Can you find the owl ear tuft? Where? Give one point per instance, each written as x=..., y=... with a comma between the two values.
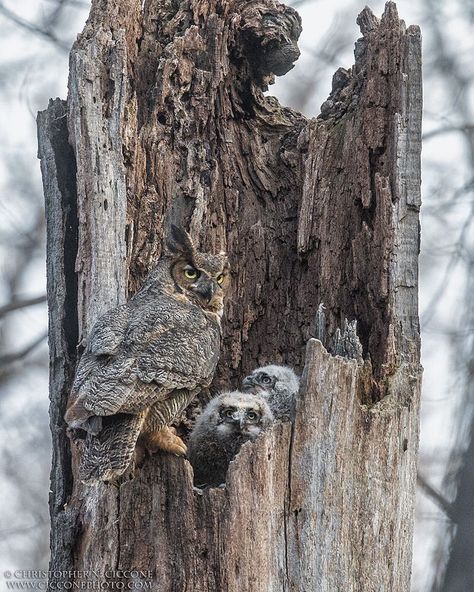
x=179, y=241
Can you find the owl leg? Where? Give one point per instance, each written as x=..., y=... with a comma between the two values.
x=157, y=435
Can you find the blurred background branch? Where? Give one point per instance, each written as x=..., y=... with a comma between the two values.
x=17, y=304
x=435, y=495
x=45, y=32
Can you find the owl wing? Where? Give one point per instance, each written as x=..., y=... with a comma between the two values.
x=108, y=332
x=181, y=352
x=162, y=349
x=103, y=343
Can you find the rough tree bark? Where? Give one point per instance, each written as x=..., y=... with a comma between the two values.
x=166, y=121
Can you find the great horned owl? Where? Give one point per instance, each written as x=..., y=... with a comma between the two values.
x=145, y=360
x=226, y=423
x=278, y=385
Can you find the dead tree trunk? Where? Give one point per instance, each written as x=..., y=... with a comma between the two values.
x=166, y=121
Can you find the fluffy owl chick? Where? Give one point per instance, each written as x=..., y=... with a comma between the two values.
x=278, y=385
x=226, y=423
x=146, y=360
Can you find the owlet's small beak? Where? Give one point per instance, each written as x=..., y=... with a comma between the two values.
x=247, y=382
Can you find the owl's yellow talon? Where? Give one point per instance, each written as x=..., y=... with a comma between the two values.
x=166, y=440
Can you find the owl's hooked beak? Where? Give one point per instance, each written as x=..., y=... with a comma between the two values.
x=247, y=382
x=239, y=419
x=249, y=385
x=206, y=291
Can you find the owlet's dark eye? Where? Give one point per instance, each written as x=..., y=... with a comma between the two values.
x=191, y=273
x=220, y=278
x=252, y=415
x=266, y=379
x=228, y=413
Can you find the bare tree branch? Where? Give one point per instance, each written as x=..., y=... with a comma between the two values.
x=467, y=128
x=44, y=33
x=436, y=497
x=17, y=304
x=429, y=311
x=8, y=359
x=54, y=18
x=7, y=532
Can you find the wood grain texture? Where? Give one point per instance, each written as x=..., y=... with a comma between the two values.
x=353, y=476
x=168, y=123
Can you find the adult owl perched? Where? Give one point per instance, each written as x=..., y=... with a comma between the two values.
x=147, y=359
x=278, y=385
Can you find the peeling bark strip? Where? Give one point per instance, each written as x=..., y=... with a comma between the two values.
x=168, y=123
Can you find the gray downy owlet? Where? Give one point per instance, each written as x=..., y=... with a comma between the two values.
x=278, y=385
x=147, y=359
x=227, y=422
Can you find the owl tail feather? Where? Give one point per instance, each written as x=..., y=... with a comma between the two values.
x=108, y=454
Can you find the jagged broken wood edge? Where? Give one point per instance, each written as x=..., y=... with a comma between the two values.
x=345, y=341
x=298, y=502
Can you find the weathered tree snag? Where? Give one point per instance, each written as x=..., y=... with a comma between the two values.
x=168, y=124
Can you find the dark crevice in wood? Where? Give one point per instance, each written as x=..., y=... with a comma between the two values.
x=368, y=210
x=66, y=167
x=66, y=181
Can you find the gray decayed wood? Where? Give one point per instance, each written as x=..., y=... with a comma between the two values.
x=168, y=123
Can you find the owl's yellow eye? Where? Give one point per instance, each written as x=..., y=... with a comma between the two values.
x=229, y=413
x=252, y=415
x=191, y=273
x=220, y=278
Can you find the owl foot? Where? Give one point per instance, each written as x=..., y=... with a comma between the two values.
x=167, y=440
